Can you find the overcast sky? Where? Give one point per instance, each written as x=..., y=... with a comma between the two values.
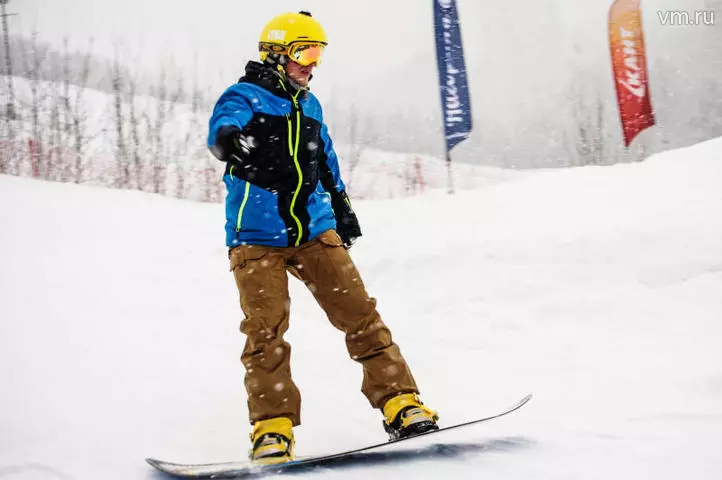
x=375, y=33
x=522, y=47
x=521, y=54
x=222, y=32
x=364, y=35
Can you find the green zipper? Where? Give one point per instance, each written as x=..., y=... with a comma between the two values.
x=293, y=150
x=243, y=206
x=300, y=177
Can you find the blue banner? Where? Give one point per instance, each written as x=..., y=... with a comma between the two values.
x=453, y=86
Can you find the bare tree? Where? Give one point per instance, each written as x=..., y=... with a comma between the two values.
x=65, y=124
x=180, y=152
x=79, y=117
x=135, y=119
x=355, y=152
x=588, y=137
x=359, y=140
x=193, y=150
x=166, y=103
x=158, y=160
x=55, y=158
x=10, y=110
x=589, y=120
x=33, y=64
x=121, y=148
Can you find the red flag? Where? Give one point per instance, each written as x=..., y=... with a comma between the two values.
x=629, y=62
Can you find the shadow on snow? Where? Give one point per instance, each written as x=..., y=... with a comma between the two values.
x=436, y=452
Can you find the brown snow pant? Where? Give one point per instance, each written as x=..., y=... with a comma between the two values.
x=325, y=266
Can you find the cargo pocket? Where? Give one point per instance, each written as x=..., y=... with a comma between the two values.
x=247, y=262
x=334, y=269
x=330, y=238
x=240, y=256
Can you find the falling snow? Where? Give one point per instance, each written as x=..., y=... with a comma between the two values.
x=598, y=289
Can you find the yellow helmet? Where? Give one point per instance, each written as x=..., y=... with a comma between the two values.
x=294, y=34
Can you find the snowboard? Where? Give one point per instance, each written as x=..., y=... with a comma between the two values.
x=246, y=469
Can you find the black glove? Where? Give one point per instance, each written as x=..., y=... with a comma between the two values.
x=347, y=225
x=230, y=145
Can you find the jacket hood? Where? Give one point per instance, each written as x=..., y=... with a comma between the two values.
x=267, y=77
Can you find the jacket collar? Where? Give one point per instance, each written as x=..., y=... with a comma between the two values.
x=272, y=80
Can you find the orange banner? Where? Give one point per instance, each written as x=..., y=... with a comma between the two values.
x=629, y=62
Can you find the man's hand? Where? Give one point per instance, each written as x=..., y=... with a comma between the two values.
x=229, y=144
x=347, y=225
x=349, y=231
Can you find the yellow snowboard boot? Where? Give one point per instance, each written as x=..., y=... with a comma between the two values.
x=405, y=415
x=272, y=441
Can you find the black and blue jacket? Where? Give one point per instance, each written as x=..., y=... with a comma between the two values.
x=282, y=174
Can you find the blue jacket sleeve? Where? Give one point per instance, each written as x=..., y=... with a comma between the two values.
x=232, y=109
x=347, y=225
x=331, y=162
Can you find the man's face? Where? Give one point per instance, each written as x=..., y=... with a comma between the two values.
x=298, y=73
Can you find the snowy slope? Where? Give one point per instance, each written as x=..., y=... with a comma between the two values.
x=599, y=289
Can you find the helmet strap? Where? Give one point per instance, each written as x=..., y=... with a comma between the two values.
x=277, y=66
x=277, y=63
x=276, y=59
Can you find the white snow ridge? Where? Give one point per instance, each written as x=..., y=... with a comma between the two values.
x=599, y=289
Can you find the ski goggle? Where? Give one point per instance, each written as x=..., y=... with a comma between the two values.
x=306, y=53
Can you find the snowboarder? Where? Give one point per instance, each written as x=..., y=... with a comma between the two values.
x=287, y=211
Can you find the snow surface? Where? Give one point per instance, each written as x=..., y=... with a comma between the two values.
x=598, y=289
